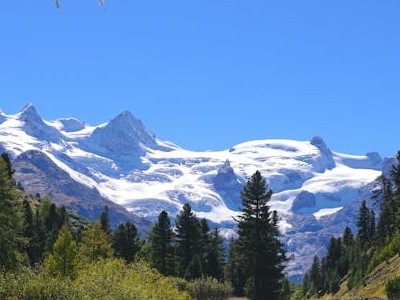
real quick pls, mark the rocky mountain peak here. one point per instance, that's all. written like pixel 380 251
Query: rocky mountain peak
pixel 124 135
pixel 35 126
pixel 29 114
pixel 125 121
pixel 319 142
pixel 326 161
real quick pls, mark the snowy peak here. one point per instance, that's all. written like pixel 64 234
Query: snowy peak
pixel 34 125
pixel 123 136
pixel 28 114
pixel 226 168
pixel 126 123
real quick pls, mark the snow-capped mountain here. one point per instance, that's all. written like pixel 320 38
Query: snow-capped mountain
pixel 123 163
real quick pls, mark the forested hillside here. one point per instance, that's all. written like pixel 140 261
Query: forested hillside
pixel 363 263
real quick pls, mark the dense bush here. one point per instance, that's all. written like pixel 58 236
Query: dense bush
pixel 206 288
pixel 393 289
pixel 25 284
pixel 104 279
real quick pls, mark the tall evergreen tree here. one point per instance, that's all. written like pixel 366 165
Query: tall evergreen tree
pixel 161 239
pixel 364 221
pixel 105 221
pixel 28 231
pixel 395 172
pixel 126 241
pixel 9 169
pixel 387 220
pixel 38 240
pixel 215 256
pixel 11 241
pixel 260 250
pixel 315 278
pixel 188 244
pixel 348 237
pixel 234 271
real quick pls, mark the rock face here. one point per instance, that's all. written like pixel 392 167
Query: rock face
pixel 325 161
pixel 228 186
pixel 303 200
pixel 123 165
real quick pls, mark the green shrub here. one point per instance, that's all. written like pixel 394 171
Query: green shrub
pixel 113 279
pixel 205 288
pixel 393 289
pixel 28 285
pixel 101 280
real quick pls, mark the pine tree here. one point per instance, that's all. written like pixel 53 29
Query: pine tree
pixel 260 250
pixel 315 279
pixel 215 256
pixel 11 241
pixel 306 286
pixel 364 225
pixel 38 240
pixel 348 237
pixel 63 260
pixel 126 241
pixel 395 172
pixel 387 220
pixel 28 231
pixel 9 169
pixel 162 251
pixel 188 244
pixel 234 271
pixel 105 222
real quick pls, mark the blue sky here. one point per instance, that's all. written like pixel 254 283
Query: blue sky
pixel 208 74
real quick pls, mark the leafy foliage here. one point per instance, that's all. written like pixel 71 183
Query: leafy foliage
pixel 204 288
pixel 103 279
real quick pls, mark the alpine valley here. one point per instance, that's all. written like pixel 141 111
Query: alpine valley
pixel 123 165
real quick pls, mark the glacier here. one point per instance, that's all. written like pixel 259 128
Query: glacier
pixel 124 163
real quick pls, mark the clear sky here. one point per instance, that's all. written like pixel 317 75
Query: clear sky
pixel 208 74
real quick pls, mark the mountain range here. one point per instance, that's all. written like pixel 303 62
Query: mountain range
pixel 124 165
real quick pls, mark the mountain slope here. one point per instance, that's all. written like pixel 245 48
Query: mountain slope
pixel 375 283
pixel 123 162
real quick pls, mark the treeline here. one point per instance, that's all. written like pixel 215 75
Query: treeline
pixel 48 253
pixel 353 256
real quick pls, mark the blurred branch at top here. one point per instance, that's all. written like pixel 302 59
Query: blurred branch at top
pixel 58 5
